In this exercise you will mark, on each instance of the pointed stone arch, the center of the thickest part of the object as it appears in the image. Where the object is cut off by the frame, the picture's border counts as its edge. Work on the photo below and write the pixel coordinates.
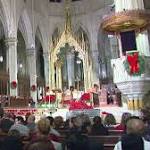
(4, 16)
(39, 35)
(78, 26)
(24, 25)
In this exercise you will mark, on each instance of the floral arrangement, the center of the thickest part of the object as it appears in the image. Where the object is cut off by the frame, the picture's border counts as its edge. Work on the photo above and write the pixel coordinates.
(75, 105)
(134, 64)
(85, 97)
(50, 98)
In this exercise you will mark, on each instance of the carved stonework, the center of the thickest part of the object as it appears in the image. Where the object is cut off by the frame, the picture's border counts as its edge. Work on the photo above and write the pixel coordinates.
(133, 87)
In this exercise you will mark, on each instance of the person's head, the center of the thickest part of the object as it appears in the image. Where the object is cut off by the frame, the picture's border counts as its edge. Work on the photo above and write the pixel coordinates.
(135, 126)
(43, 126)
(5, 125)
(109, 120)
(58, 122)
(51, 119)
(19, 120)
(31, 119)
(96, 86)
(71, 88)
(97, 120)
(125, 117)
(86, 128)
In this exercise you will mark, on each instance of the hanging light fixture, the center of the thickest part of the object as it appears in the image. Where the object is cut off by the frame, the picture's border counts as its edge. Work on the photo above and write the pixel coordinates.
(1, 59)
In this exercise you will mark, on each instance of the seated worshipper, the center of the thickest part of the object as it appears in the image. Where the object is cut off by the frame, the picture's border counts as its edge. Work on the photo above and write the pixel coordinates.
(31, 123)
(41, 145)
(54, 134)
(19, 125)
(133, 139)
(78, 141)
(58, 122)
(122, 125)
(12, 141)
(98, 128)
(42, 134)
(76, 123)
(5, 125)
(81, 142)
(109, 121)
(1, 112)
(52, 131)
(146, 118)
(86, 128)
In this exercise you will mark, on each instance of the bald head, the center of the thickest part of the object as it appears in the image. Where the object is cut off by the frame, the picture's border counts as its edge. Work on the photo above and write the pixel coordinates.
(135, 126)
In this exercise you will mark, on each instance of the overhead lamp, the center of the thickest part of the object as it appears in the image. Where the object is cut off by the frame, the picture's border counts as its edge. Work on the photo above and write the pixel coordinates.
(1, 59)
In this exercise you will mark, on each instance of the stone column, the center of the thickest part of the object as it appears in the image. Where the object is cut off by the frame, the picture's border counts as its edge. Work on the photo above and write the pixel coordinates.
(52, 72)
(46, 68)
(70, 69)
(31, 58)
(11, 44)
(59, 78)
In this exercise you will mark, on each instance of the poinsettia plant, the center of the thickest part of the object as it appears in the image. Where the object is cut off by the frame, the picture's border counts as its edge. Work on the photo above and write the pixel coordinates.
(13, 84)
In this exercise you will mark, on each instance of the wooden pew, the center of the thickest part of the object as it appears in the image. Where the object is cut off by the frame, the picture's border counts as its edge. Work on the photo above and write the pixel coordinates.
(115, 132)
(108, 141)
(64, 132)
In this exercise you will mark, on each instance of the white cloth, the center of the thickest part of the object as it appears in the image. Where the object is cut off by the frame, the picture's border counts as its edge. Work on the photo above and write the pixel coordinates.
(57, 145)
(55, 132)
(24, 130)
(146, 145)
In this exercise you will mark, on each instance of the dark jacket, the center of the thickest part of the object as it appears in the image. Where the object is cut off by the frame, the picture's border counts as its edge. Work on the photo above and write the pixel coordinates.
(99, 130)
(11, 143)
(81, 142)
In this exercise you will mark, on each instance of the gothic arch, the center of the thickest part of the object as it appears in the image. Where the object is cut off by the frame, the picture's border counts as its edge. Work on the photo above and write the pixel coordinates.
(55, 36)
(4, 16)
(25, 27)
(38, 35)
(85, 30)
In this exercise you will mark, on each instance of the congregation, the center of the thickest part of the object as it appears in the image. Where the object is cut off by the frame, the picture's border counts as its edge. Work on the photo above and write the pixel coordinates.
(76, 133)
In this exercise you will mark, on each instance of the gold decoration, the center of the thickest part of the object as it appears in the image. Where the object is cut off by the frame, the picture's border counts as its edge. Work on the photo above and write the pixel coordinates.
(126, 21)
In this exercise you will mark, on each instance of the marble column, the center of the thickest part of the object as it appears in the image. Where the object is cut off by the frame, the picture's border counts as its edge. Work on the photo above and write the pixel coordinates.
(31, 58)
(70, 69)
(46, 68)
(11, 44)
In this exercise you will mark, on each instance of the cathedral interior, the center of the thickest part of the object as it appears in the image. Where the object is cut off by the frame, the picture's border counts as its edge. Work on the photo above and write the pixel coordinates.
(93, 46)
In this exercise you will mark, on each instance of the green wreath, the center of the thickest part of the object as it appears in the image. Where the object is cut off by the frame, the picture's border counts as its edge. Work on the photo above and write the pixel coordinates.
(141, 66)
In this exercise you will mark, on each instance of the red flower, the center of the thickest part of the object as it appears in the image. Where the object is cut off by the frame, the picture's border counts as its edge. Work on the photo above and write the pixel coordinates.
(74, 105)
(13, 84)
(51, 98)
(33, 88)
(85, 97)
